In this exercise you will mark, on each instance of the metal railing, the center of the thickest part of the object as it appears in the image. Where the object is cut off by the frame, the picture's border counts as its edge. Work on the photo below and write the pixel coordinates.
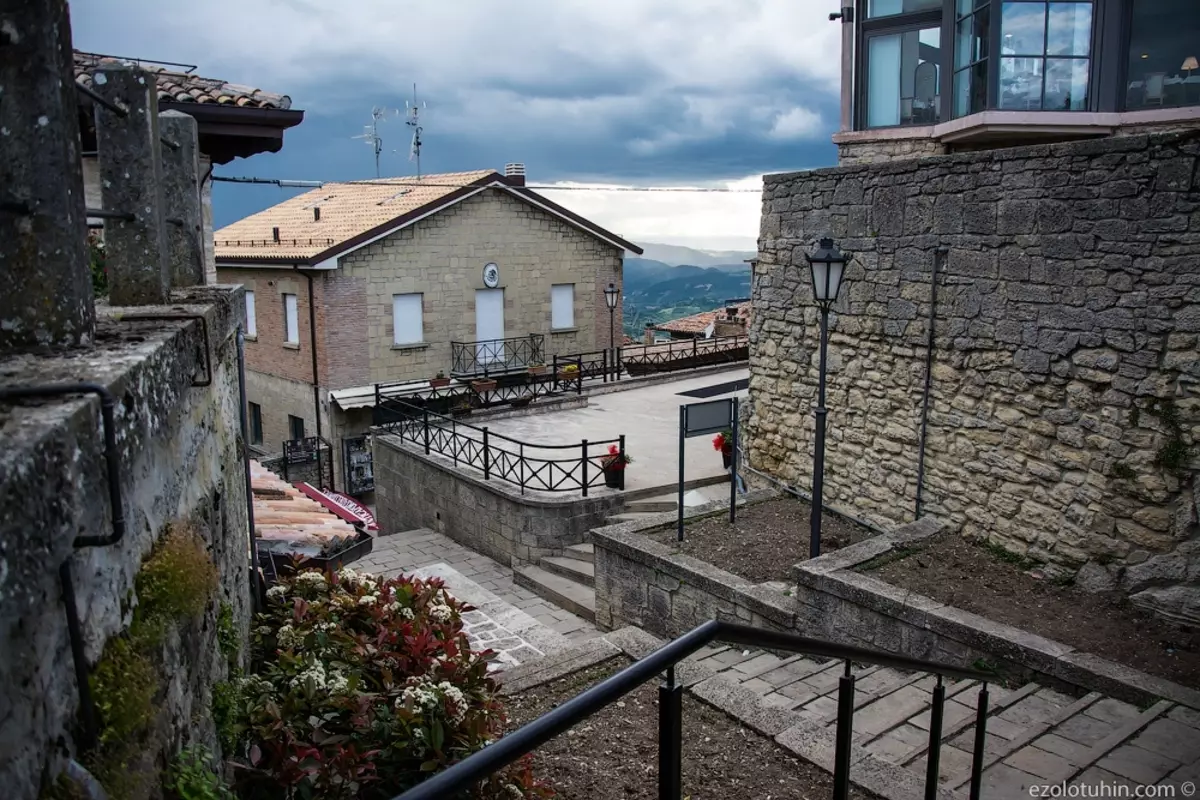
(461, 777)
(575, 467)
(678, 354)
(496, 356)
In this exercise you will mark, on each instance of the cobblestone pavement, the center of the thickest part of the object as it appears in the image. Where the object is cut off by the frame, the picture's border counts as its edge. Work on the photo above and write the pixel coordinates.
(410, 551)
(1036, 736)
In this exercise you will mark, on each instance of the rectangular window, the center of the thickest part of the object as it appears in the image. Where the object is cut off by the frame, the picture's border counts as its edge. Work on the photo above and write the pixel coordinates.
(972, 33)
(295, 427)
(903, 83)
(251, 315)
(256, 434)
(1164, 55)
(887, 8)
(1044, 55)
(408, 318)
(291, 320)
(562, 306)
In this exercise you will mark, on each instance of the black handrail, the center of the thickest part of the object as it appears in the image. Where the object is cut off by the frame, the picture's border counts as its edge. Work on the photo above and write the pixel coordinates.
(493, 356)
(470, 771)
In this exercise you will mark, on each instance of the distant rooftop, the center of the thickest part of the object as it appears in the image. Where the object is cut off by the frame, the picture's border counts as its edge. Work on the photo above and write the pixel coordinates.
(698, 323)
(286, 521)
(176, 86)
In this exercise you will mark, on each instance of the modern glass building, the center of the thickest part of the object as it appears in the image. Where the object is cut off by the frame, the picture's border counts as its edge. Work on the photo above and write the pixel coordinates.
(927, 76)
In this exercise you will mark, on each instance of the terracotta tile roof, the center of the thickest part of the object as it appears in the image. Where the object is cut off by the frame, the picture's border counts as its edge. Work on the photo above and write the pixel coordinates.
(698, 323)
(182, 87)
(348, 210)
(286, 521)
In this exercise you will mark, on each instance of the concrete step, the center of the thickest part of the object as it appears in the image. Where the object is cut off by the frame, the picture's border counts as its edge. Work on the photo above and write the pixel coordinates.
(563, 592)
(629, 517)
(578, 571)
(650, 506)
(581, 552)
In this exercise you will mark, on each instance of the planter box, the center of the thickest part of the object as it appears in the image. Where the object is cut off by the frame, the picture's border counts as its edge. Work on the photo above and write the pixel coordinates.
(483, 386)
(439, 383)
(538, 370)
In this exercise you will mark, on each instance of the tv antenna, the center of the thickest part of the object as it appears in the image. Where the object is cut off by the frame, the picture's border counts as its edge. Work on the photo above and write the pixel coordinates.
(370, 132)
(414, 122)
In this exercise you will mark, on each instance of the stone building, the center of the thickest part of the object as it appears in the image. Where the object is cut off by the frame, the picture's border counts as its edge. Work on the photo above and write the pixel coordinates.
(925, 77)
(1014, 352)
(354, 284)
(233, 122)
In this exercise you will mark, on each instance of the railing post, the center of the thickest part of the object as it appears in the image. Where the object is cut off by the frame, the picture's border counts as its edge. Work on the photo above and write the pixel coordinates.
(579, 375)
(622, 439)
(487, 465)
(425, 412)
(670, 738)
(604, 362)
(933, 757)
(620, 362)
(181, 199)
(521, 471)
(454, 440)
(585, 466)
(554, 372)
(844, 736)
(981, 714)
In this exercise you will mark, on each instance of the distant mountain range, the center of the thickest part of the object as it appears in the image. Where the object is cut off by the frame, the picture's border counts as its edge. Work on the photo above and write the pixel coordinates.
(658, 290)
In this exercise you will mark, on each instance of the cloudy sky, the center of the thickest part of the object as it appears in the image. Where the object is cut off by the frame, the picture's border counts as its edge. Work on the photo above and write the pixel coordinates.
(610, 92)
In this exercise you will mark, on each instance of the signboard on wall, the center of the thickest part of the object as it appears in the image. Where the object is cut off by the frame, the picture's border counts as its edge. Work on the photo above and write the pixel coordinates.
(359, 469)
(341, 505)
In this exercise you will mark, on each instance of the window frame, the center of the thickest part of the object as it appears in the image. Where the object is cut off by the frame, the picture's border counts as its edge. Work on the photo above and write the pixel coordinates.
(885, 26)
(291, 317)
(1120, 35)
(395, 316)
(254, 418)
(997, 36)
(293, 420)
(573, 324)
(251, 315)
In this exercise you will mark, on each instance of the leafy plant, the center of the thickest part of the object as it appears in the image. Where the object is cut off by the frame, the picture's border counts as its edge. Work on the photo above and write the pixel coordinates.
(193, 776)
(362, 688)
(723, 440)
(441, 375)
(227, 635)
(615, 460)
(176, 582)
(96, 259)
(569, 369)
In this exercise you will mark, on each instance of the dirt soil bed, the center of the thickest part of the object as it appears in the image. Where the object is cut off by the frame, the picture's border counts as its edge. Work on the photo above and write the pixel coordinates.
(613, 755)
(971, 577)
(764, 543)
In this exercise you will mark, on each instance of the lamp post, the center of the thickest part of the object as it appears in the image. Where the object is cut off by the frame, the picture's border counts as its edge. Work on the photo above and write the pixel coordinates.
(827, 264)
(610, 298)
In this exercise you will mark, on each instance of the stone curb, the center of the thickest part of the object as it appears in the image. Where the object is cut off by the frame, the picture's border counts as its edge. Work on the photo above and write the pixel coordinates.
(554, 666)
(833, 575)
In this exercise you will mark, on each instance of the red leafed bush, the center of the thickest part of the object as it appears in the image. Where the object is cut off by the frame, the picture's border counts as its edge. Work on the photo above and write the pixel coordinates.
(362, 688)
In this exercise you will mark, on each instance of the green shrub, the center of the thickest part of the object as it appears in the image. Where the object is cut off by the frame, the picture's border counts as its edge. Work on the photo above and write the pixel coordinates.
(193, 776)
(227, 635)
(362, 688)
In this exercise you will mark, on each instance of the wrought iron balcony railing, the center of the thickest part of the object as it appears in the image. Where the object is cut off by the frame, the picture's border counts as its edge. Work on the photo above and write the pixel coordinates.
(496, 356)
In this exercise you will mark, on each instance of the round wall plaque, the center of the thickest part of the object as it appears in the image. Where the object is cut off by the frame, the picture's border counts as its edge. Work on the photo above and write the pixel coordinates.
(491, 275)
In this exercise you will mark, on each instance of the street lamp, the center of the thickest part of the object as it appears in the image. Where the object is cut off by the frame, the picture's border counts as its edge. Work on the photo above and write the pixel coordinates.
(610, 298)
(828, 265)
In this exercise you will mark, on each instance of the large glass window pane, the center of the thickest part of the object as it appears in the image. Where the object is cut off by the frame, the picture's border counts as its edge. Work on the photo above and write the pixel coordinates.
(1023, 29)
(964, 7)
(1164, 54)
(903, 78)
(1021, 83)
(887, 8)
(1069, 29)
(1066, 84)
(971, 41)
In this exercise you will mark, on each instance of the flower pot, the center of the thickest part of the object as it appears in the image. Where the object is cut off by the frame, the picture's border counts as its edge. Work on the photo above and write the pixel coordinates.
(538, 370)
(483, 386)
(612, 478)
(727, 458)
(439, 383)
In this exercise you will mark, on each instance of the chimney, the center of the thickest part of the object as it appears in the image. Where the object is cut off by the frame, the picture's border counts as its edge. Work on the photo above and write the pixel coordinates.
(730, 324)
(514, 174)
(316, 213)
(648, 334)
(275, 234)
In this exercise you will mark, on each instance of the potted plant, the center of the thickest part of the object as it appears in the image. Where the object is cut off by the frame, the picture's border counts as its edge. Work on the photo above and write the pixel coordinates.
(440, 381)
(461, 408)
(537, 369)
(482, 385)
(569, 373)
(723, 442)
(613, 466)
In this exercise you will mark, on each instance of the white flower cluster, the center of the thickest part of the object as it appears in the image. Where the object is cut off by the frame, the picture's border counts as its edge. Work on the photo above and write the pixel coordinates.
(368, 600)
(288, 637)
(277, 592)
(429, 696)
(440, 612)
(352, 577)
(314, 580)
(316, 672)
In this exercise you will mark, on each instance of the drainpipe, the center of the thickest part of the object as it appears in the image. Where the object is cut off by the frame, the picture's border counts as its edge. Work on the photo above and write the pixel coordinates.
(316, 378)
(939, 256)
(255, 588)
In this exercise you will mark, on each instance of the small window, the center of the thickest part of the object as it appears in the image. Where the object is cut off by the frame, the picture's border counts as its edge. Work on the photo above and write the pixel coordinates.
(295, 427)
(251, 316)
(256, 434)
(562, 306)
(408, 318)
(903, 78)
(291, 320)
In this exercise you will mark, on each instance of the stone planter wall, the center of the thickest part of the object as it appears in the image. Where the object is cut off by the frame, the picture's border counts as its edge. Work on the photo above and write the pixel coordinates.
(1067, 310)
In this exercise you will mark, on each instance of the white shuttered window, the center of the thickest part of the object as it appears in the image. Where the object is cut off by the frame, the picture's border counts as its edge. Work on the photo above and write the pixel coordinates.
(251, 315)
(408, 319)
(562, 306)
(291, 320)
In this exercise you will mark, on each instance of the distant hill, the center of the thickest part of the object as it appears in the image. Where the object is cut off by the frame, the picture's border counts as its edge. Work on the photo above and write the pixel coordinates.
(656, 291)
(676, 255)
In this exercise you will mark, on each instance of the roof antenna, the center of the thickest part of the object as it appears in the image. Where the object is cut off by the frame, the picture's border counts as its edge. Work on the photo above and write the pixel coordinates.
(370, 132)
(414, 122)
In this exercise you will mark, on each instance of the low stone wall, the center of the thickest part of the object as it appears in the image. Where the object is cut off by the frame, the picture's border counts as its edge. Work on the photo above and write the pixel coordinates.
(178, 449)
(641, 582)
(414, 490)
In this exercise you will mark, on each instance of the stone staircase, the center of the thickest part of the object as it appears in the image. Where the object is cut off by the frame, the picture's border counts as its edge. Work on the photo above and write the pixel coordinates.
(568, 580)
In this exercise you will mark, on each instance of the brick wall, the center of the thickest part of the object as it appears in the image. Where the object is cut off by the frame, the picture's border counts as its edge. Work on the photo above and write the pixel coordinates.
(1068, 308)
(267, 352)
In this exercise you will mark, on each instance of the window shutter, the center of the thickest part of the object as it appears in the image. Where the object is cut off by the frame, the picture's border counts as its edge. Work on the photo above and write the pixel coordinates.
(408, 319)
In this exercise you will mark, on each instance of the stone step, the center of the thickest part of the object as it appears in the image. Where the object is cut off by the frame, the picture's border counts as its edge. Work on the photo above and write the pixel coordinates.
(581, 552)
(629, 517)
(650, 506)
(578, 571)
(563, 592)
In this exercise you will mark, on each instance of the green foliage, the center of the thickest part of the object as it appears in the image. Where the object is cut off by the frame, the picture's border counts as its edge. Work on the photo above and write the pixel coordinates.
(1174, 454)
(224, 706)
(1122, 471)
(227, 635)
(96, 258)
(176, 581)
(1023, 562)
(193, 776)
(361, 689)
(62, 789)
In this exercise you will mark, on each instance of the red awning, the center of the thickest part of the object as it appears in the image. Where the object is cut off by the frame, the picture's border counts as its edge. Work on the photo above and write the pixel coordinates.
(344, 506)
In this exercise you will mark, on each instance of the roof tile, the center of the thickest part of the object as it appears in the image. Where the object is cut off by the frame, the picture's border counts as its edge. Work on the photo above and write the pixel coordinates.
(286, 521)
(181, 87)
(698, 323)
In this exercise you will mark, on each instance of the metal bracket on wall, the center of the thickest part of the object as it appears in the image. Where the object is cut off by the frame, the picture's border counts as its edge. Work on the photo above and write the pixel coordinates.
(179, 318)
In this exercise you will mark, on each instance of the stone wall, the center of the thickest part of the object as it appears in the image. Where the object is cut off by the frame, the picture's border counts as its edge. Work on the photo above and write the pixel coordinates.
(1067, 314)
(179, 457)
(413, 490)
